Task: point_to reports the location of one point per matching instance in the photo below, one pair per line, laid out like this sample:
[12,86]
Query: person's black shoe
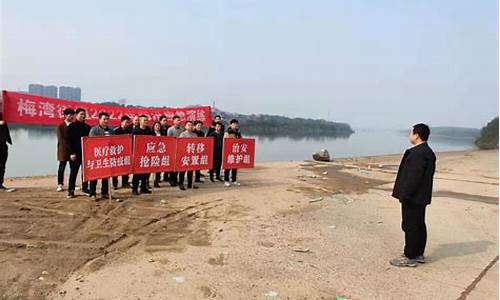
[146,191]
[71,195]
[115,187]
[2,187]
[198,181]
[202,175]
[212,179]
[126,185]
[173,184]
[135,193]
[86,191]
[182,187]
[195,187]
[156,184]
[403,262]
[219,179]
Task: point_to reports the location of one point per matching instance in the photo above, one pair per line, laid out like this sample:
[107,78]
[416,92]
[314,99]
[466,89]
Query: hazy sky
[369,63]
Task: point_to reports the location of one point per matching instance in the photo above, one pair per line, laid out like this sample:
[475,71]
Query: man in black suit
[74,134]
[141,179]
[413,188]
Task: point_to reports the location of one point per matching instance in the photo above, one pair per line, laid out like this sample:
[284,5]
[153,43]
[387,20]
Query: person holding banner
[198,130]
[217,119]
[164,130]
[102,129]
[232,132]
[62,155]
[4,150]
[74,134]
[164,125]
[141,179]
[124,128]
[218,135]
[174,130]
[188,133]
[135,122]
[158,131]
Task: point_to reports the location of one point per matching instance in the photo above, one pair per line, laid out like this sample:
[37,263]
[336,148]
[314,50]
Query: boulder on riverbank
[322,155]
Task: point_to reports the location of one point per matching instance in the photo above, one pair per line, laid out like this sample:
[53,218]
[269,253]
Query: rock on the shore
[321,155]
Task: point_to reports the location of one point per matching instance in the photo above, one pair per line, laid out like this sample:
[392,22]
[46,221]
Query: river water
[34,150]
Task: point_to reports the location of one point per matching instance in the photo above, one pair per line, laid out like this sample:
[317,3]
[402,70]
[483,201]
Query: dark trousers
[3,160]
[166,176]
[141,179]
[234,173]
[74,166]
[104,187]
[173,177]
[214,171]
[197,175]
[216,166]
[189,178]
[124,181]
[413,225]
[60,172]
[158,177]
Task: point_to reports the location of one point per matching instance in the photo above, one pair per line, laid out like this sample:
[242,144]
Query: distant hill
[455,132]
[273,125]
[489,136]
[450,132]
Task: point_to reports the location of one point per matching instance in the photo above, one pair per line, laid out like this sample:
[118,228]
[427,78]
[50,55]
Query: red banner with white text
[154,154]
[106,156]
[30,109]
[238,153]
[194,154]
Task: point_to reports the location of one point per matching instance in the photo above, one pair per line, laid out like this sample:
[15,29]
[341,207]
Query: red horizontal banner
[194,153]
[238,153]
[30,109]
[154,154]
[106,156]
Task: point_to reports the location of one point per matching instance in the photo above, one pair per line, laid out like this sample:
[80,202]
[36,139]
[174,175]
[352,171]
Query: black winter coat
[140,131]
[415,176]
[74,134]
[218,142]
[5,135]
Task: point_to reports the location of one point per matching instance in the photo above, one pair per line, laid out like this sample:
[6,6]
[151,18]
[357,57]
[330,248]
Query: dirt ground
[292,230]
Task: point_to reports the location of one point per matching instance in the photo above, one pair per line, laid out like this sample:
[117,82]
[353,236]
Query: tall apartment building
[52,91]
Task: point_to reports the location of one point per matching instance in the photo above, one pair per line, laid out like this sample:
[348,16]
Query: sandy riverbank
[293,230]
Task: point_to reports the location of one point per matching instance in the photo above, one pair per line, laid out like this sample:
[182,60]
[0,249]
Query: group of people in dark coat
[73,128]
[413,185]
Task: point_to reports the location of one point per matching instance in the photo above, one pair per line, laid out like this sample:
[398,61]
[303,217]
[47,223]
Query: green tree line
[489,136]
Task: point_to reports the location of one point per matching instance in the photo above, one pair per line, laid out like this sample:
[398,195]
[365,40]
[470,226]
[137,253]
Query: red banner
[238,153]
[30,109]
[154,154]
[106,156]
[194,153]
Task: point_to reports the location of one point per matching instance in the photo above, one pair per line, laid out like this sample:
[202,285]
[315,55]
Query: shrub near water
[489,136]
